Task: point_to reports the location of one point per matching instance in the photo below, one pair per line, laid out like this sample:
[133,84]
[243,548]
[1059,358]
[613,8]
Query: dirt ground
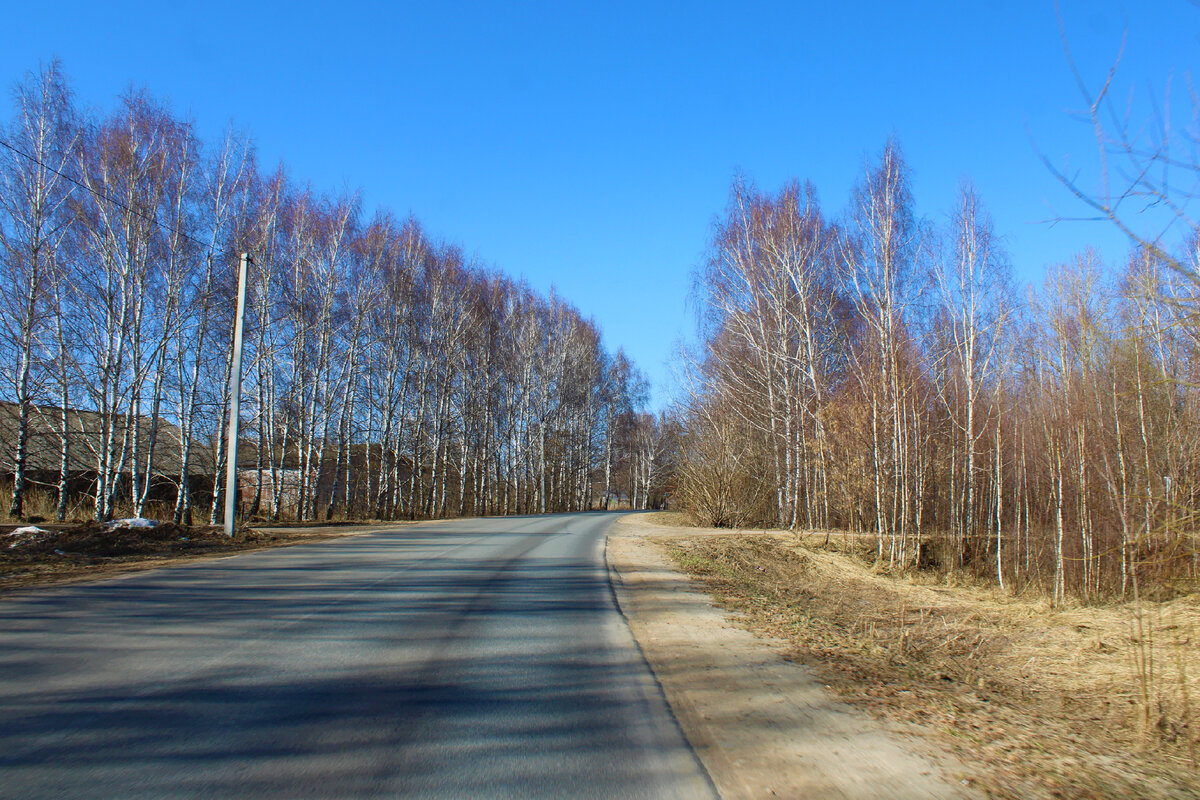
[763,727]
[70,552]
[1023,700]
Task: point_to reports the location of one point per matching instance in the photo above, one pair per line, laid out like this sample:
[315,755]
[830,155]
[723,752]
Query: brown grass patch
[680,519]
[1046,702]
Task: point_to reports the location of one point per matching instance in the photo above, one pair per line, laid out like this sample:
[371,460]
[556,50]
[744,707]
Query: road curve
[474,658]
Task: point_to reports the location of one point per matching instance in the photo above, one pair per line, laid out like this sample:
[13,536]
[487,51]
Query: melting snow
[28,530]
[135,522]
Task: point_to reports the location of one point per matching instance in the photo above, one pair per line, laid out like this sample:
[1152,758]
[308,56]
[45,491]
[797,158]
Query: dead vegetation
[1047,702]
[50,553]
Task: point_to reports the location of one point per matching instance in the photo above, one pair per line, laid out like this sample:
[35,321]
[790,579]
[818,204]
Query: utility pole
[235,396]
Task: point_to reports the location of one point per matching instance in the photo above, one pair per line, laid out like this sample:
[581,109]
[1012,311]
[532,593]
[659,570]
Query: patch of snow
[135,522]
[28,530]
[29,535]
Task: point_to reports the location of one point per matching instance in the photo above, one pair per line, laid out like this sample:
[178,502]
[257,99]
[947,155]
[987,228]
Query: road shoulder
[762,726]
[54,568]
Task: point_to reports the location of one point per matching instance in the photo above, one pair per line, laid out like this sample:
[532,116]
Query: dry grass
[670,518]
[1046,702]
[41,504]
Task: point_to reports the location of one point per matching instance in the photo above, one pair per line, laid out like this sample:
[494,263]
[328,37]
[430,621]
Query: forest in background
[878,373]
[386,374]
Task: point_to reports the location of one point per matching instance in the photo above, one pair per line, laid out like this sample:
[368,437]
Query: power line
[101,195]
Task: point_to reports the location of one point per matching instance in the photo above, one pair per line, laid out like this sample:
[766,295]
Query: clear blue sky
[588,145]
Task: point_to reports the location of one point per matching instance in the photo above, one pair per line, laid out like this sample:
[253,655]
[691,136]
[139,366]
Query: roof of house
[44,447]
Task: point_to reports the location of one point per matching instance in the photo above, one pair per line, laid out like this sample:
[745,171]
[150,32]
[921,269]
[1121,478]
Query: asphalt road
[476,658]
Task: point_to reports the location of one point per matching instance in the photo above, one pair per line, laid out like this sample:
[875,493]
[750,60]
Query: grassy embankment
[1076,701]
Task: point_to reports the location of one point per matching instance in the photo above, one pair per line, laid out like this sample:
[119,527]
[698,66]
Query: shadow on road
[420,662]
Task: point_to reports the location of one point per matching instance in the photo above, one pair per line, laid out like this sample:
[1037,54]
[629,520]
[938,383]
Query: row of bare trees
[386,374]
[879,373]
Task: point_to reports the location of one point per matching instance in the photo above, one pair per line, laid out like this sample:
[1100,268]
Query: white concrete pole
[235,396]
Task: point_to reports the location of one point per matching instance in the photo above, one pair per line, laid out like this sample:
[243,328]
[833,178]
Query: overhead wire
[102,195]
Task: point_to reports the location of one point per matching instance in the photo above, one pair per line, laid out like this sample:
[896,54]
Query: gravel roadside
[762,726]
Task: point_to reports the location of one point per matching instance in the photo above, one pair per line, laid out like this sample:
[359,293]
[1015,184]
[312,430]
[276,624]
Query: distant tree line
[386,374]
[879,373]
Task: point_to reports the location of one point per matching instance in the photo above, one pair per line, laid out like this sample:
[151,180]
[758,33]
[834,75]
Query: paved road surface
[479,658]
